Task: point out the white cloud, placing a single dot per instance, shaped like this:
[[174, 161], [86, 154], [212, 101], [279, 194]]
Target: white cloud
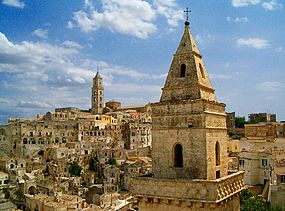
[[137, 89], [253, 42], [128, 17], [279, 49], [244, 3], [272, 5], [45, 76], [219, 76], [135, 18], [41, 33], [33, 104], [69, 25], [170, 10], [237, 19], [72, 44], [89, 4], [14, 3], [110, 70], [204, 38], [270, 86], [268, 5], [40, 61]]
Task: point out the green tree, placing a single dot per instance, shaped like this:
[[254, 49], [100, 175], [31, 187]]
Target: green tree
[[75, 169], [112, 161], [240, 121], [93, 164], [248, 202]]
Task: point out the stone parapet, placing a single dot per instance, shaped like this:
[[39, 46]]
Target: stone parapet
[[206, 191]]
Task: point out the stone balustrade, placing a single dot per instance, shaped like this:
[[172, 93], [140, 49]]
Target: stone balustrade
[[209, 191]]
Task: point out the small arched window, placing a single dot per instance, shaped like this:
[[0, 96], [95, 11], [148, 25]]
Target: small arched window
[[202, 70], [183, 70], [217, 149], [178, 155]]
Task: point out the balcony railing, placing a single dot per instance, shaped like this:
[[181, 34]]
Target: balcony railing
[[185, 189]]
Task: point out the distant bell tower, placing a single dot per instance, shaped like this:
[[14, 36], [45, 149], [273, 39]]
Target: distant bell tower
[[97, 100]]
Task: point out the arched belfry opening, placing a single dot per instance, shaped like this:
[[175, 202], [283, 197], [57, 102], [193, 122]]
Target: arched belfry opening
[[202, 70], [217, 153], [183, 71], [178, 155]]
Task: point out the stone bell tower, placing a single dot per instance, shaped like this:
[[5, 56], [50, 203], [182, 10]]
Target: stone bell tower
[[189, 125], [97, 99], [189, 142]]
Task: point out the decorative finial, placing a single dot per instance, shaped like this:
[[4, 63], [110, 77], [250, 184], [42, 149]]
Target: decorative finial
[[187, 11], [97, 69]]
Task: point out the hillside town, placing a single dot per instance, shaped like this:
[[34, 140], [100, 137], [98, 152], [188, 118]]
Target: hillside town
[[71, 158]]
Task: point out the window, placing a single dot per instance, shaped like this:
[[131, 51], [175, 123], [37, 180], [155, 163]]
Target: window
[[178, 155], [282, 178], [202, 70], [241, 162], [218, 174], [217, 149], [183, 71], [264, 162]]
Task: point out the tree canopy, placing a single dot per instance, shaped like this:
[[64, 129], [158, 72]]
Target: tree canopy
[[239, 122], [112, 161], [75, 169], [248, 202]]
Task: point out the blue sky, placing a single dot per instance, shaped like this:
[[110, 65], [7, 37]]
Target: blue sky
[[50, 51]]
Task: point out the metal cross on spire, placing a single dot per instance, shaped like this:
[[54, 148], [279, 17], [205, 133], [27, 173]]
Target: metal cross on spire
[[187, 11]]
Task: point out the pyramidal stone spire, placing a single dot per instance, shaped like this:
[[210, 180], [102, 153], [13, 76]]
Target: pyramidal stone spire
[[187, 77], [97, 76]]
